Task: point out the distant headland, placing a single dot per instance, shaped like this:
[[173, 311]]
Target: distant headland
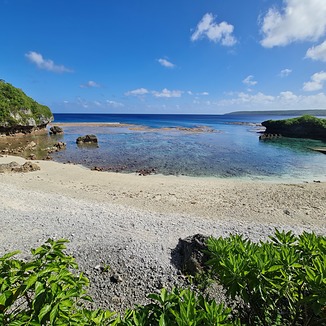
[[316, 112]]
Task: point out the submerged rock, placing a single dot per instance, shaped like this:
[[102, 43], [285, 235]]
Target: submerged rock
[[56, 130], [88, 139]]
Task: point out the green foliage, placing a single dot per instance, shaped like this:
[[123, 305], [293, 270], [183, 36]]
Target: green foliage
[[15, 103], [179, 308], [305, 126], [44, 291], [281, 282]]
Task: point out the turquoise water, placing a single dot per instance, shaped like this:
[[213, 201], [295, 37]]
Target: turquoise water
[[233, 148]]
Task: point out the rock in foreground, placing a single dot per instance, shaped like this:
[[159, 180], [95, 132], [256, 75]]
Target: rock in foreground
[[15, 167]]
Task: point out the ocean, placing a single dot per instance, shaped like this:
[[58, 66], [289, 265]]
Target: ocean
[[229, 148]]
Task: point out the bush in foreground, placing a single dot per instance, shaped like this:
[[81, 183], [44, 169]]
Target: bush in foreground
[[281, 282]]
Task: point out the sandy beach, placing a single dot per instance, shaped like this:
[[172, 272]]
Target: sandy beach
[[134, 222]]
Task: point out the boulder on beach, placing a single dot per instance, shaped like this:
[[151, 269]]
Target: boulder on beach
[[189, 256], [15, 167], [56, 130], [88, 139]]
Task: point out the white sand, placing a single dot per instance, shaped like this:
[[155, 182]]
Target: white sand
[[133, 222]]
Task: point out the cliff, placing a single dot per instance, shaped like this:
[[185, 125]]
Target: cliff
[[20, 113], [305, 126]]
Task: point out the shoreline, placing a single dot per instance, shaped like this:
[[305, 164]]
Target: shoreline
[[133, 223], [202, 196]]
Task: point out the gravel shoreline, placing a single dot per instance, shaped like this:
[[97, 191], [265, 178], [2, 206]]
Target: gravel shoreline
[[136, 243]]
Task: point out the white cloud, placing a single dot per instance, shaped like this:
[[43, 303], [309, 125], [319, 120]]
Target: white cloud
[[114, 104], [167, 93], [166, 63], [316, 83], [288, 96], [299, 20], [137, 92], [284, 101], [197, 94], [218, 33], [45, 64], [285, 72], [317, 52], [249, 81], [89, 84]]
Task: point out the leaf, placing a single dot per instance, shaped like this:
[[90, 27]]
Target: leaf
[[310, 273], [31, 281], [275, 268], [44, 311], [5, 296], [9, 255], [54, 313], [162, 321]]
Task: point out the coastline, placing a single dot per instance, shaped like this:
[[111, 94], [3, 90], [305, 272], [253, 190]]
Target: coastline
[[132, 223], [213, 198]]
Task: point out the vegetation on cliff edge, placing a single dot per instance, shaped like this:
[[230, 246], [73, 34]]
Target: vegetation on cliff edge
[[16, 108], [305, 126]]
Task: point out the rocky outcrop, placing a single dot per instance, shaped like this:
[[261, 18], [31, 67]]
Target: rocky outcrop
[[88, 139], [266, 136], [20, 113], [303, 127], [189, 255], [56, 130], [15, 167]]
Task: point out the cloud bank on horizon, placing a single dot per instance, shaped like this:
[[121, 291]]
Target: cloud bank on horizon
[[195, 58]]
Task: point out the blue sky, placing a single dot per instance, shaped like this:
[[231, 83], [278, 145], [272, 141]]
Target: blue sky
[[186, 56]]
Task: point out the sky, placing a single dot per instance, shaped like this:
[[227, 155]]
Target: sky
[[163, 57]]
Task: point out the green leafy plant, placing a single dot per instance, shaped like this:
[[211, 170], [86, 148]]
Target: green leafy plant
[[44, 291], [182, 307], [281, 282]]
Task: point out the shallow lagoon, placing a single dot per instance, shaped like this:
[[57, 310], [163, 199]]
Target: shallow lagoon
[[232, 150]]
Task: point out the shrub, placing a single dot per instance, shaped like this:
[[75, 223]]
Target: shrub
[[180, 307], [44, 291], [281, 282]]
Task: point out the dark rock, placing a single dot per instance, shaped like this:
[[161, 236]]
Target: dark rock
[[59, 146], [88, 139], [266, 136], [189, 255], [116, 278], [97, 168], [145, 172], [56, 130]]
